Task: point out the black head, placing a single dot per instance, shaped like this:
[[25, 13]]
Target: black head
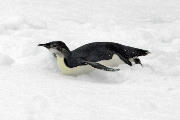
[[57, 47]]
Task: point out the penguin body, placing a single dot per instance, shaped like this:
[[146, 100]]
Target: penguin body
[[99, 55], [114, 62]]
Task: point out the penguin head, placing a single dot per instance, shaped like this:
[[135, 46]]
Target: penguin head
[[57, 47]]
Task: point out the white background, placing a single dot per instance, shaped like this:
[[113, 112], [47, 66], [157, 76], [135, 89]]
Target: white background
[[32, 87]]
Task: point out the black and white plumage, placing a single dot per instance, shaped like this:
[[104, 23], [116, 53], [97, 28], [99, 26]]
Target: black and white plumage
[[99, 55]]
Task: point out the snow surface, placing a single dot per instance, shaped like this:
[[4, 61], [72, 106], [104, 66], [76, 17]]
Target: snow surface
[[32, 87]]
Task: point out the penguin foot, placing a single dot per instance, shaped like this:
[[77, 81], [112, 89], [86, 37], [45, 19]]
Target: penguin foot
[[125, 60], [137, 61]]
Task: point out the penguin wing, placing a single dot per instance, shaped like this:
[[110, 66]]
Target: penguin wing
[[100, 66]]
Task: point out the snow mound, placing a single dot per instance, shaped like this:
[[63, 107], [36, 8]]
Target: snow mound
[[5, 60]]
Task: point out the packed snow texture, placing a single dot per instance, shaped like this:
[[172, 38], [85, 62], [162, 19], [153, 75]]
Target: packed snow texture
[[33, 88]]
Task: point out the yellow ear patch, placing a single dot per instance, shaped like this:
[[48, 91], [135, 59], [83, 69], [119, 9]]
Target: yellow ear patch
[[63, 50]]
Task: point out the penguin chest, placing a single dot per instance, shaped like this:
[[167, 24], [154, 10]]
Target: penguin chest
[[115, 61], [72, 71]]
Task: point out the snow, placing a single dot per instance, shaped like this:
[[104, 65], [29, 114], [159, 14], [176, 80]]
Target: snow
[[32, 87]]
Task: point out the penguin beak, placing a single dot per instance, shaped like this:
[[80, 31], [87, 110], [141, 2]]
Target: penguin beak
[[44, 45]]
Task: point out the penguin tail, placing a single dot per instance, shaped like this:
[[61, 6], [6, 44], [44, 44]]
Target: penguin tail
[[131, 52], [135, 53], [128, 52], [140, 52]]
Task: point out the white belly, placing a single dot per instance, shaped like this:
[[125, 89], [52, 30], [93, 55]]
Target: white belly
[[115, 61]]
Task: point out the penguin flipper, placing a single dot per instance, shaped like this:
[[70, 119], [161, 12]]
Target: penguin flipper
[[100, 66]]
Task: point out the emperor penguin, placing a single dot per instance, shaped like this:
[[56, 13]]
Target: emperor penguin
[[95, 55]]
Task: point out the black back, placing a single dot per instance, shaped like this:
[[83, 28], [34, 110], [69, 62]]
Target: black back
[[98, 51]]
